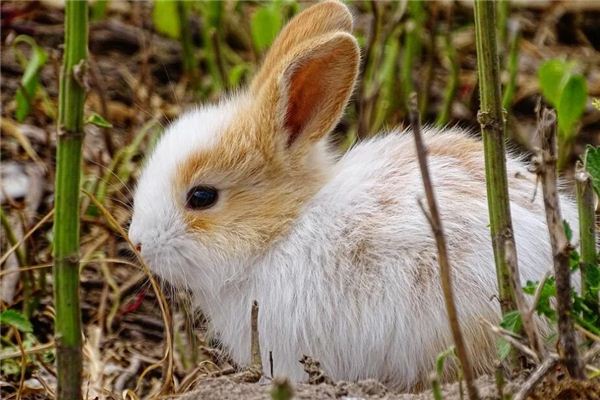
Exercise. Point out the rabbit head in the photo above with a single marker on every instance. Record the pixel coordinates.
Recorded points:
(226, 180)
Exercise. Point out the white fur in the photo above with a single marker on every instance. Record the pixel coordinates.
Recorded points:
(156, 222)
(354, 282)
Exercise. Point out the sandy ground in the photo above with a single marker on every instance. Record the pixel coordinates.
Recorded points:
(225, 389)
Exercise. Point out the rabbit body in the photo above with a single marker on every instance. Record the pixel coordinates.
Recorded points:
(243, 201)
(355, 282)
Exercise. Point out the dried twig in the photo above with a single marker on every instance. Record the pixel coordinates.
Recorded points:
(445, 273)
(535, 378)
(511, 338)
(255, 370)
(256, 361)
(545, 167)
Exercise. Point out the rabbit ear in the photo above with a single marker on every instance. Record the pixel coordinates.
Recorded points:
(307, 98)
(326, 17)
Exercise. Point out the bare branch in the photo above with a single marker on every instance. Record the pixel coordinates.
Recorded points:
(545, 166)
(445, 273)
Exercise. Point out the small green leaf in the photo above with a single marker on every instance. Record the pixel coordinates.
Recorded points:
(591, 162)
(548, 291)
(30, 79)
(98, 120)
(237, 73)
(166, 18)
(440, 360)
(568, 230)
(511, 322)
(550, 75)
(572, 103)
(16, 320)
(265, 24)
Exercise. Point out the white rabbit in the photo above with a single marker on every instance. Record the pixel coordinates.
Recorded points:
(243, 201)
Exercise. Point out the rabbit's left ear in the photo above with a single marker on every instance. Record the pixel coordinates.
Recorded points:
(308, 96)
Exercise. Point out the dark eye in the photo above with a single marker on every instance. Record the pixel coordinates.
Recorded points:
(201, 197)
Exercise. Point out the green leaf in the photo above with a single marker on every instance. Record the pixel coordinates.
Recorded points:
(30, 79)
(237, 73)
(166, 18)
(568, 230)
(511, 322)
(265, 24)
(16, 320)
(572, 103)
(550, 75)
(591, 162)
(440, 360)
(544, 306)
(98, 120)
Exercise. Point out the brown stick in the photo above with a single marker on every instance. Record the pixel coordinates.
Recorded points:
(256, 360)
(255, 370)
(445, 273)
(535, 378)
(545, 166)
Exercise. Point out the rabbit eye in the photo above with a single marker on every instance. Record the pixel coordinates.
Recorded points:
(201, 197)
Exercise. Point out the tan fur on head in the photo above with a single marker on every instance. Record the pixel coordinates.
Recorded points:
(327, 17)
(272, 141)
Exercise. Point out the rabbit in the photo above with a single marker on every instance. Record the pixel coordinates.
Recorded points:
(246, 200)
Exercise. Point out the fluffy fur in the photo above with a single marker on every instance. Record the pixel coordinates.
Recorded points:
(337, 253)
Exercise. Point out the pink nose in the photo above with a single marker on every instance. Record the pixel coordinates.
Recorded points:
(138, 247)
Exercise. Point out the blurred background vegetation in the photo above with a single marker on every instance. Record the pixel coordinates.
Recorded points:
(148, 62)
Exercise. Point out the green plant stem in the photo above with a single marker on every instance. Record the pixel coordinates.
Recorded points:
(452, 86)
(26, 276)
(412, 47)
(492, 127)
(587, 234)
(512, 66)
(503, 13)
(190, 64)
(425, 88)
(66, 223)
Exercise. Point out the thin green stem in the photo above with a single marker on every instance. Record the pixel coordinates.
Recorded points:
(492, 127)
(412, 47)
(190, 63)
(512, 66)
(66, 223)
(452, 86)
(26, 276)
(587, 235)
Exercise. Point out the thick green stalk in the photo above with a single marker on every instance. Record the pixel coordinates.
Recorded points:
(492, 127)
(66, 220)
(587, 234)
